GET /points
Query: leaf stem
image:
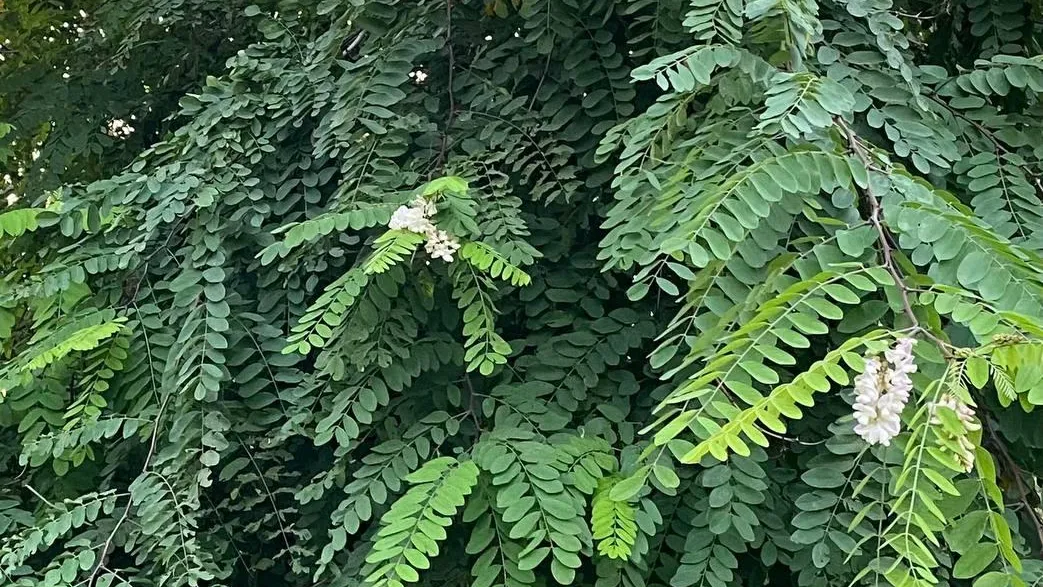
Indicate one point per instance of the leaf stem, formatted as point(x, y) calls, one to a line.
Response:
point(130, 500)
point(41, 497)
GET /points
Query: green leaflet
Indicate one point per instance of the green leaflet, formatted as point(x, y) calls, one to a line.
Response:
point(612, 523)
point(533, 502)
point(411, 529)
point(787, 318)
point(15, 223)
point(84, 339)
point(783, 401)
point(312, 229)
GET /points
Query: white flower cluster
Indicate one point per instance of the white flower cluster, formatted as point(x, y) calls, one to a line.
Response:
point(417, 218)
point(119, 128)
point(882, 390)
point(7, 185)
point(441, 245)
point(411, 219)
point(959, 443)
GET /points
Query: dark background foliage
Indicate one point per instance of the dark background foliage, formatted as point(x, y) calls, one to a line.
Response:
point(205, 383)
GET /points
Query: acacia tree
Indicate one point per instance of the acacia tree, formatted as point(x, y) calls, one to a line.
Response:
point(521, 292)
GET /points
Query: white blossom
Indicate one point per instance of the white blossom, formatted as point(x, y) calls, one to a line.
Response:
point(118, 128)
point(901, 365)
point(882, 391)
point(426, 207)
point(411, 219)
point(12, 199)
point(416, 217)
point(963, 411)
point(876, 415)
point(441, 245)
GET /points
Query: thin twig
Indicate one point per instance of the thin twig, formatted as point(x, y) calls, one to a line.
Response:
point(470, 403)
point(116, 575)
point(271, 498)
point(164, 247)
point(42, 498)
point(988, 134)
point(355, 42)
point(793, 439)
point(443, 149)
point(918, 16)
point(126, 511)
point(885, 244)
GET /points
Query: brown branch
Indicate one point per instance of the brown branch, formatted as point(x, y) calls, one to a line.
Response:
point(443, 149)
point(882, 236)
point(1015, 470)
point(981, 129)
point(271, 497)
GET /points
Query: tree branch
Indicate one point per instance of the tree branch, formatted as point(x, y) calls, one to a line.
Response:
point(41, 497)
point(875, 218)
point(443, 149)
point(1015, 471)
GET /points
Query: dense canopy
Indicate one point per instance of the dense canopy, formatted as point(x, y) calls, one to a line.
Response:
point(509, 293)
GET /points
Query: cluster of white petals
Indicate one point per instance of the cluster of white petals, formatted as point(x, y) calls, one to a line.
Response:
point(417, 218)
point(876, 421)
point(962, 446)
point(963, 411)
point(900, 358)
point(118, 128)
point(881, 392)
point(411, 219)
point(441, 245)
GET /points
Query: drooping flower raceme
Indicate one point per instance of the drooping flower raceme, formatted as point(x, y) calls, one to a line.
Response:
point(877, 422)
point(417, 218)
point(882, 390)
point(900, 359)
point(964, 412)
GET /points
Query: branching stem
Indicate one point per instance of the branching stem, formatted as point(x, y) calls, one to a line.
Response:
point(882, 236)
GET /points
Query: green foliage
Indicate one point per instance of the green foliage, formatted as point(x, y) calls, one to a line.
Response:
point(18, 222)
point(390, 248)
point(612, 523)
point(411, 529)
point(532, 501)
point(669, 234)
